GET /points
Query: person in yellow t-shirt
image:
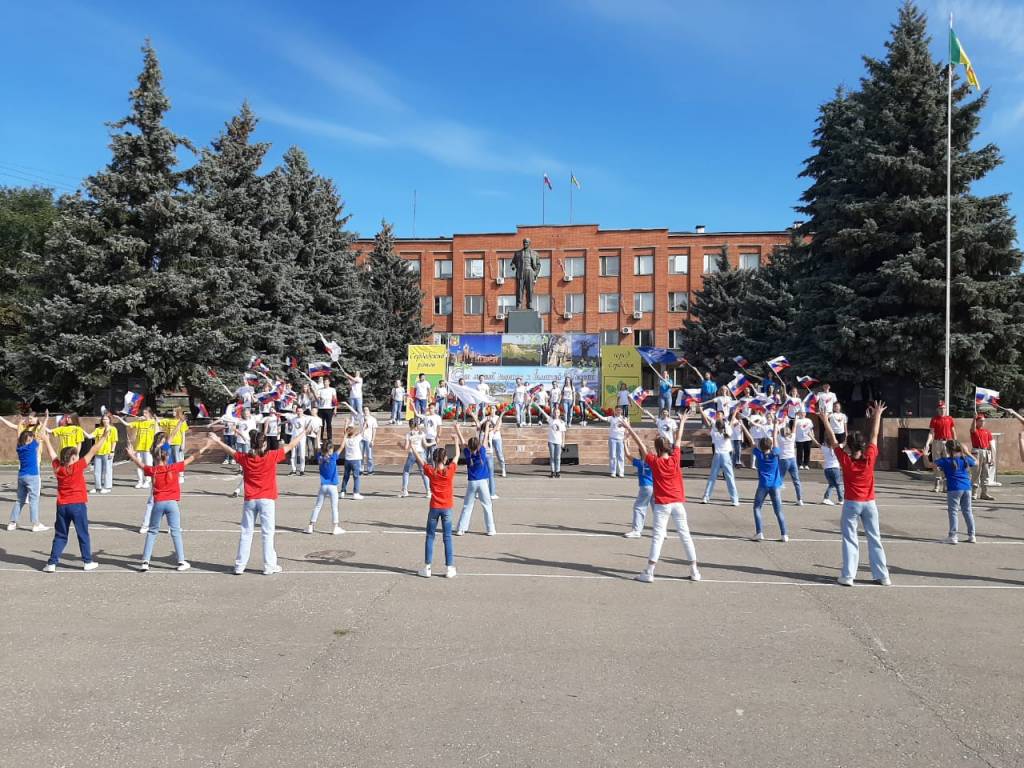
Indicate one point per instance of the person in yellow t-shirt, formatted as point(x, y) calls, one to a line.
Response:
point(105, 436)
point(69, 433)
point(140, 435)
point(28, 422)
point(175, 428)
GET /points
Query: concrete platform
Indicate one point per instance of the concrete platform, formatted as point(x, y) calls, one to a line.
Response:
point(543, 652)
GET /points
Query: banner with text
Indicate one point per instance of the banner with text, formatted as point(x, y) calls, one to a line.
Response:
point(429, 359)
point(620, 365)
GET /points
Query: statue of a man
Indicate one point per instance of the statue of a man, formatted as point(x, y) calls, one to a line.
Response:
point(526, 264)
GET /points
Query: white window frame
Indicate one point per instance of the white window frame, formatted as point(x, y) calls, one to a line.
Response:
point(745, 259)
point(674, 338)
point(643, 264)
point(468, 299)
point(602, 303)
point(571, 263)
point(604, 262)
point(413, 265)
point(543, 303)
point(474, 269)
point(506, 303)
point(439, 269)
point(639, 300)
point(576, 303)
point(711, 262)
point(672, 302)
point(638, 337)
point(675, 259)
point(608, 338)
point(545, 267)
point(437, 306)
point(505, 268)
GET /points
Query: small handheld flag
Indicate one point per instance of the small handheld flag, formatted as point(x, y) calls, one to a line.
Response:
point(202, 411)
point(806, 381)
point(741, 361)
point(319, 370)
point(811, 402)
point(132, 403)
point(291, 361)
point(913, 454)
point(547, 182)
point(256, 364)
point(692, 396)
point(778, 364)
point(738, 384)
point(251, 379)
point(332, 348)
point(265, 398)
point(983, 396)
point(639, 394)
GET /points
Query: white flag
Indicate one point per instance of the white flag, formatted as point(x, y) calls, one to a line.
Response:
point(470, 396)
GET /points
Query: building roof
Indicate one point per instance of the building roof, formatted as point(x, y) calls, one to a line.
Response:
point(521, 227)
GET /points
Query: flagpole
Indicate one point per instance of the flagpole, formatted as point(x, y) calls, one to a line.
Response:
point(543, 197)
point(571, 177)
point(949, 197)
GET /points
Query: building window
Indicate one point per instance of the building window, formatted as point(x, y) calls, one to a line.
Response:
point(474, 305)
point(543, 303)
point(574, 303)
point(443, 270)
point(608, 302)
point(413, 265)
point(474, 269)
point(442, 304)
point(678, 301)
point(750, 260)
point(643, 302)
point(675, 339)
point(711, 262)
point(545, 268)
point(505, 268)
point(506, 304)
point(643, 265)
point(678, 263)
point(609, 266)
point(575, 266)
point(643, 338)
point(609, 338)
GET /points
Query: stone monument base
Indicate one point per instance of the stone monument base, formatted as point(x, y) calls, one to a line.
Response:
point(524, 321)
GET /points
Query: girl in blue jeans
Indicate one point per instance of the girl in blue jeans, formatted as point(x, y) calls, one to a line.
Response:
point(28, 481)
point(442, 482)
point(644, 495)
point(769, 481)
point(957, 469)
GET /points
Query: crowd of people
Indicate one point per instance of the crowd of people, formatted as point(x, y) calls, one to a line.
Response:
point(256, 434)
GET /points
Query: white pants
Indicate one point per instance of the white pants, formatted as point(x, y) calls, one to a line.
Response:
point(146, 457)
point(660, 526)
point(326, 492)
point(299, 457)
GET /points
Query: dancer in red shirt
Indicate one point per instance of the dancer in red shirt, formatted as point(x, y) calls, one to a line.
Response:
point(669, 498)
point(441, 474)
point(72, 498)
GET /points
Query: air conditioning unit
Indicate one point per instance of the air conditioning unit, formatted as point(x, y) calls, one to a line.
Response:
point(567, 315)
point(499, 280)
point(627, 330)
point(499, 316)
point(568, 278)
point(638, 315)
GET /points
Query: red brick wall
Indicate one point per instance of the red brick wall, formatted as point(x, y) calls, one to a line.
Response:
point(560, 242)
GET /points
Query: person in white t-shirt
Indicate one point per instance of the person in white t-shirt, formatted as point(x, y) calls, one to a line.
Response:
point(326, 406)
point(664, 423)
point(519, 401)
point(720, 432)
point(353, 461)
point(837, 421)
point(825, 401)
point(441, 398)
point(369, 435)
point(616, 441)
point(431, 425)
point(421, 394)
point(397, 402)
point(803, 428)
point(786, 442)
point(300, 424)
point(736, 434)
point(568, 395)
point(355, 390)
point(556, 439)
point(542, 397)
point(833, 474)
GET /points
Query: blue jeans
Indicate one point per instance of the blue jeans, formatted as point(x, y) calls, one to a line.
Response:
point(176, 454)
point(959, 501)
point(789, 466)
point(442, 406)
point(644, 495)
point(68, 515)
point(352, 468)
point(28, 490)
point(367, 457)
point(722, 462)
point(326, 492)
point(867, 513)
point(616, 456)
point(357, 405)
point(396, 410)
point(737, 450)
point(445, 516)
point(498, 450)
point(103, 471)
point(161, 508)
point(520, 412)
point(410, 464)
point(476, 489)
point(265, 508)
point(776, 498)
point(555, 456)
point(567, 412)
point(665, 401)
point(834, 477)
point(421, 406)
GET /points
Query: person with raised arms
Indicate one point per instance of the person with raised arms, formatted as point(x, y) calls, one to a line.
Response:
point(981, 443)
point(72, 503)
point(720, 432)
point(421, 394)
point(355, 390)
point(616, 440)
point(956, 466)
point(556, 438)
point(140, 436)
point(413, 443)
point(769, 480)
point(644, 494)
point(441, 473)
point(941, 429)
point(327, 458)
point(326, 406)
point(519, 401)
point(29, 450)
point(478, 472)
point(669, 499)
point(857, 459)
point(105, 435)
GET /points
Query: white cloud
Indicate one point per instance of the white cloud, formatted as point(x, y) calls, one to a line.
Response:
point(327, 128)
point(995, 21)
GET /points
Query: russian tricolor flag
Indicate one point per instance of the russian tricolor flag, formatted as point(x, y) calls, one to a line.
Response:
point(202, 411)
point(738, 383)
point(985, 396)
point(741, 361)
point(132, 403)
point(778, 364)
point(332, 348)
point(251, 379)
point(639, 394)
point(811, 403)
point(692, 396)
point(913, 454)
point(291, 361)
point(267, 397)
point(806, 381)
point(318, 370)
point(257, 364)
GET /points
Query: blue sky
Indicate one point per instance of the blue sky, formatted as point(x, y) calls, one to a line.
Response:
point(670, 113)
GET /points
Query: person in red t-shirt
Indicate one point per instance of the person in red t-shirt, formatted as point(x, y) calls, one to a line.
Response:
point(940, 429)
point(857, 460)
point(669, 498)
point(259, 478)
point(166, 478)
point(72, 500)
point(981, 442)
point(441, 474)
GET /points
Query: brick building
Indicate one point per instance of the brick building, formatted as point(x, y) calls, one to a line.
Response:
point(631, 286)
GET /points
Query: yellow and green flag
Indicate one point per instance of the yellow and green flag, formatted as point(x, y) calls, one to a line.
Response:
point(957, 55)
point(574, 181)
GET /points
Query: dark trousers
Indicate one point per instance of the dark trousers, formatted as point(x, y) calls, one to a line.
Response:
point(803, 453)
point(67, 515)
point(325, 414)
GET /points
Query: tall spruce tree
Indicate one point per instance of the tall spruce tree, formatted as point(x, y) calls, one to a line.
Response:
point(872, 291)
point(26, 214)
point(109, 270)
point(397, 303)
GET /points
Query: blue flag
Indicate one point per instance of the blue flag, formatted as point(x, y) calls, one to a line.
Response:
point(659, 356)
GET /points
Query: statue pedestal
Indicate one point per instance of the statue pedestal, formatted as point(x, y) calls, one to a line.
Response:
point(524, 321)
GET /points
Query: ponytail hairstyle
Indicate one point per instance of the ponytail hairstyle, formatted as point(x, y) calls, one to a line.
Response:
point(660, 445)
point(26, 437)
point(67, 455)
point(440, 458)
point(73, 420)
point(160, 456)
point(473, 444)
point(258, 442)
point(855, 442)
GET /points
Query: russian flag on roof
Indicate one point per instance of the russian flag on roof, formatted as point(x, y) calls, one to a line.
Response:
point(983, 395)
point(778, 364)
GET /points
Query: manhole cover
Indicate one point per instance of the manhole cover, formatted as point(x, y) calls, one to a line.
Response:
point(329, 555)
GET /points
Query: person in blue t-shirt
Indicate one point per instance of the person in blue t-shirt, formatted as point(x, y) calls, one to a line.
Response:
point(478, 474)
point(644, 494)
point(769, 481)
point(957, 469)
point(665, 392)
point(28, 481)
point(708, 388)
point(327, 459)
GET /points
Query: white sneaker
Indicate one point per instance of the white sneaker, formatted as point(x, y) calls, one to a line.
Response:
point(91, 566)
point(93, 490)
point(238, 571)
point(184, 565)
point(495, 496)
point(139, 485)
point(341, 494)
point(309, 528)
point(234, 494)
point(49, 568)
point(424, 572)
point(694, 573)
point(950, 539)
point(612, 475)
point(829, 502)
point(972, 539)
point(144, 567)
point(704, 500)
point(632, 534)
point(402, 494)
point(759, 537)
point(147, 484)
point(458, 533)
point(143, 528)
point(181, 479)
point(272, 570)
point(645, 576)
point(450, 573)
point(886, 582)
point(799, 502)
point(40, 527)
point(338, 530)
point(357, 496)
point(785, 538)
point(12, 526)
point(844, 581)
point(503, 474)
point(491, 533)
point(105, 490)
point(735, 502)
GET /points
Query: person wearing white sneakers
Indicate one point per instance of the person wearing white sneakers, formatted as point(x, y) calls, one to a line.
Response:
point(353, 460)
point(165, 475)
point(669, 499)
point(490, 436)
point(785, 439)
point(644, 494)
point(28, 450)
point(803, 429)
point(72, 503)
point(140, 435)
point(441, 473)
point(857, 460)
point(369, 437)
point(769, 482)
point(413, 443)
point(103, 465)
point(833, 474)
point(556, 438)
point(259, 474)
point(720, 432)
point(478, 471)
point(940, 429)
point(616, 439)
point(956, 466)
point(493, 421)
point(327, 459)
